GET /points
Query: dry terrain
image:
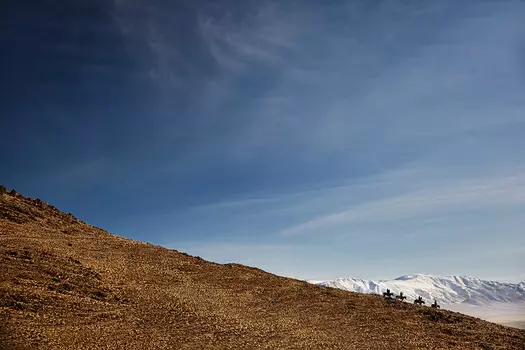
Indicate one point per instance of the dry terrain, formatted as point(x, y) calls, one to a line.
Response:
point(67, 285)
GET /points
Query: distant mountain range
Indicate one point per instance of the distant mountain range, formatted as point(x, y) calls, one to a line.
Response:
point(444, 289)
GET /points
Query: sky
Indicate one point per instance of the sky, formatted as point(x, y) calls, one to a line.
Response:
point(312, 139)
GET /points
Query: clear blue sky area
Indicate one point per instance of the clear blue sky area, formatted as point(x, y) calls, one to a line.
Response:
point(313, 139)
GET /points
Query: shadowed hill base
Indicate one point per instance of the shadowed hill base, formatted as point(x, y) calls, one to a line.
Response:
point(68, 285)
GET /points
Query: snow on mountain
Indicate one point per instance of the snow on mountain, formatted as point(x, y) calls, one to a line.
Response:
point(444, 289)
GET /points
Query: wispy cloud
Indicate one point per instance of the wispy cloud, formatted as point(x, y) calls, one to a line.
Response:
point(453, 198)
point(351, 131)
point(242, 203)
point(261, 37)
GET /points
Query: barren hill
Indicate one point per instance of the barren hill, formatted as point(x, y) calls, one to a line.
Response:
point(67, 285)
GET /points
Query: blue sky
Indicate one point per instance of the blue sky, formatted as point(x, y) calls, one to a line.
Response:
point(313, 139)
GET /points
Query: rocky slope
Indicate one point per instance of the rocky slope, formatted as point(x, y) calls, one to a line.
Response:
point(67, 285)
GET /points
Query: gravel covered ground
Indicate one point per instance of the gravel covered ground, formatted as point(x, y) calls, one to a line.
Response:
point(67, 285)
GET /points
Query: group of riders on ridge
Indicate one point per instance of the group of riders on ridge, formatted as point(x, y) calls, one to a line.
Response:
point(418, 301)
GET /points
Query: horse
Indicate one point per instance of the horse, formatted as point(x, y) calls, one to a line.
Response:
point(419, 301)
point(435, 305)
point(401, 296)
point(388, 294)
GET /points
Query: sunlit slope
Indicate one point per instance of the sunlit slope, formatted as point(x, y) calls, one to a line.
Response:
point(67, 285)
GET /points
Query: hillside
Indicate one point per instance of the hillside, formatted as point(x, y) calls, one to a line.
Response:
point(444, 289)
point(67, 285)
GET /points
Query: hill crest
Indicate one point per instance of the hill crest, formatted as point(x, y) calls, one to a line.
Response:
point(65, 284)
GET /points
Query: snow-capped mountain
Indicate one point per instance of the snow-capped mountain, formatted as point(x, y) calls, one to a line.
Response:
point(444, 289)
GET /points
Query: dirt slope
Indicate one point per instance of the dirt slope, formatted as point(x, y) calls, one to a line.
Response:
point(67, 285)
